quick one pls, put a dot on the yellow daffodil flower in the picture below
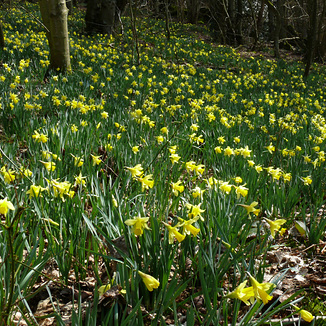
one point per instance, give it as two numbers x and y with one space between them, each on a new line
173 149
270 148
218 150
146 182
78 161
251 208
61 188
50 166
199 169
275 225
79 180
238 179
306 315
136 171
228 151
40 138
135 149
242 293
195 211
190 166
8 175
26 172
138 224
174 233
150 282
174 158
197 192
159 139
35 191
5 205
245 152
164 130
221 139
104 115
188 227
260 289
241 191
225 186
307 180
114 201
177 187
96 159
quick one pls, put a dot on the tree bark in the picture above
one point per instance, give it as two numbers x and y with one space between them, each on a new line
192 11
54 15
312 35
102 15
276 26
238 25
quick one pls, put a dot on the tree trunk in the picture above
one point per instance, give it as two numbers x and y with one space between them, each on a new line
102 15
238 25
276 26
2 38
192 11
54 15
230 21
312 35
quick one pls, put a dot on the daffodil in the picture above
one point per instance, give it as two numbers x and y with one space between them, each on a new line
50 166
271 148
5 205
225 186
96 159
242 293
40 138
8 175
174 233
221 139
159 139
275 225
79 180
190 166
173 149
114 201
260 289
241 191
228 151
177 187
187 226
306 315
245 152
218 150
251 208
35 191
195 211
307 180
104 115
199 169
146 181
150 282
135 171
174 158
135 149
61 188
164 130
197 192
138 224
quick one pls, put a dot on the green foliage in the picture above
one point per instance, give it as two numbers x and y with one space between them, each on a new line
216 134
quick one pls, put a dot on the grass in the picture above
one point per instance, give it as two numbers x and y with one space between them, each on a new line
224 142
